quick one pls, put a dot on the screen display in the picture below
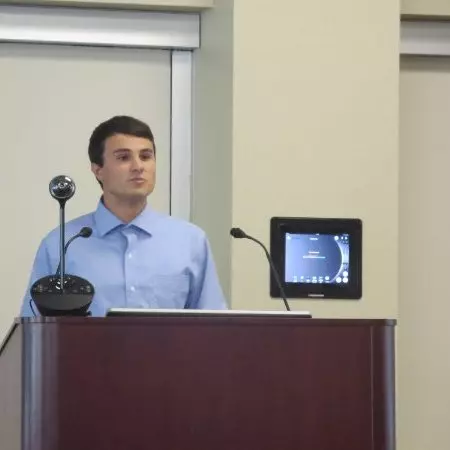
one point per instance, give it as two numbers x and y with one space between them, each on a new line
317 258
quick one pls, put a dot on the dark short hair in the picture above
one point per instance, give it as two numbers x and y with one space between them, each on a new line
116 125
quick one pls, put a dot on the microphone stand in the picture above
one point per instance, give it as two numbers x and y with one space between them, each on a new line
62 222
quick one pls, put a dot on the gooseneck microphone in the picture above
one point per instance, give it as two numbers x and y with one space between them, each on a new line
238 233
61 294
85 232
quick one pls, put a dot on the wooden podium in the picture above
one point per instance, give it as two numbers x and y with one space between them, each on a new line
197 383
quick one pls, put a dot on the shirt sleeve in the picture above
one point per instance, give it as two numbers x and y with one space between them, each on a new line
41 268
205 292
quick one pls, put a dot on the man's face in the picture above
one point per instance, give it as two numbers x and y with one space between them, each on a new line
128 170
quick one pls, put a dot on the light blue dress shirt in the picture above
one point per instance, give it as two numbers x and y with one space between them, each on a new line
155 261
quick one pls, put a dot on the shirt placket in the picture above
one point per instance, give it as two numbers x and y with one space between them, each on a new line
131 283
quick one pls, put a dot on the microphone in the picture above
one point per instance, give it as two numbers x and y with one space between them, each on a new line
238 233
57 295
85 232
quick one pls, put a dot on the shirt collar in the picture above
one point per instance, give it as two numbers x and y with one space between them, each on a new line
106 221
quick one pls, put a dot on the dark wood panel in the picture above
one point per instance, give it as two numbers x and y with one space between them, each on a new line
41 429
222 384
11 391
206 383
383 351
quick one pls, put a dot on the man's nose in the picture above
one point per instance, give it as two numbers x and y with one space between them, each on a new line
137 164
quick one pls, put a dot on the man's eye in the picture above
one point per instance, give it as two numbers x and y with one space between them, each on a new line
122 157
146 156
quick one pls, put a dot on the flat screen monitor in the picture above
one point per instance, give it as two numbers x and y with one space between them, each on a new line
317 258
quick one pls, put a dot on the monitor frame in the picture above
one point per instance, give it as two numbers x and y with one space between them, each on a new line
279 226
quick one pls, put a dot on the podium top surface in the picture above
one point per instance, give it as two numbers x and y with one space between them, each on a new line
231 318
239 317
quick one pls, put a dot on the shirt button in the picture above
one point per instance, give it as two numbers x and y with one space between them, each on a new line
132 288
130 255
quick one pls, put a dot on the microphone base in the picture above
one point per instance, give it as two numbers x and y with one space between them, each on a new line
73 300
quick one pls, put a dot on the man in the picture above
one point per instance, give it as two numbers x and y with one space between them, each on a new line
135 257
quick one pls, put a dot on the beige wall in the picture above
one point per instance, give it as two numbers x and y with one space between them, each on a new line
315 134
423 333
425 7
141 4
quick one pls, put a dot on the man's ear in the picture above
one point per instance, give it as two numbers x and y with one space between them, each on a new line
96 170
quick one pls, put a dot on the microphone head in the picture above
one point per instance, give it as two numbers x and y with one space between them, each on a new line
62 188
85 232
238 233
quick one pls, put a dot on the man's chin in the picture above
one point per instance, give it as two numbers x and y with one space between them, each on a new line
135 195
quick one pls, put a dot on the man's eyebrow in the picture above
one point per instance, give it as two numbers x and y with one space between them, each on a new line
118 150
124 150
